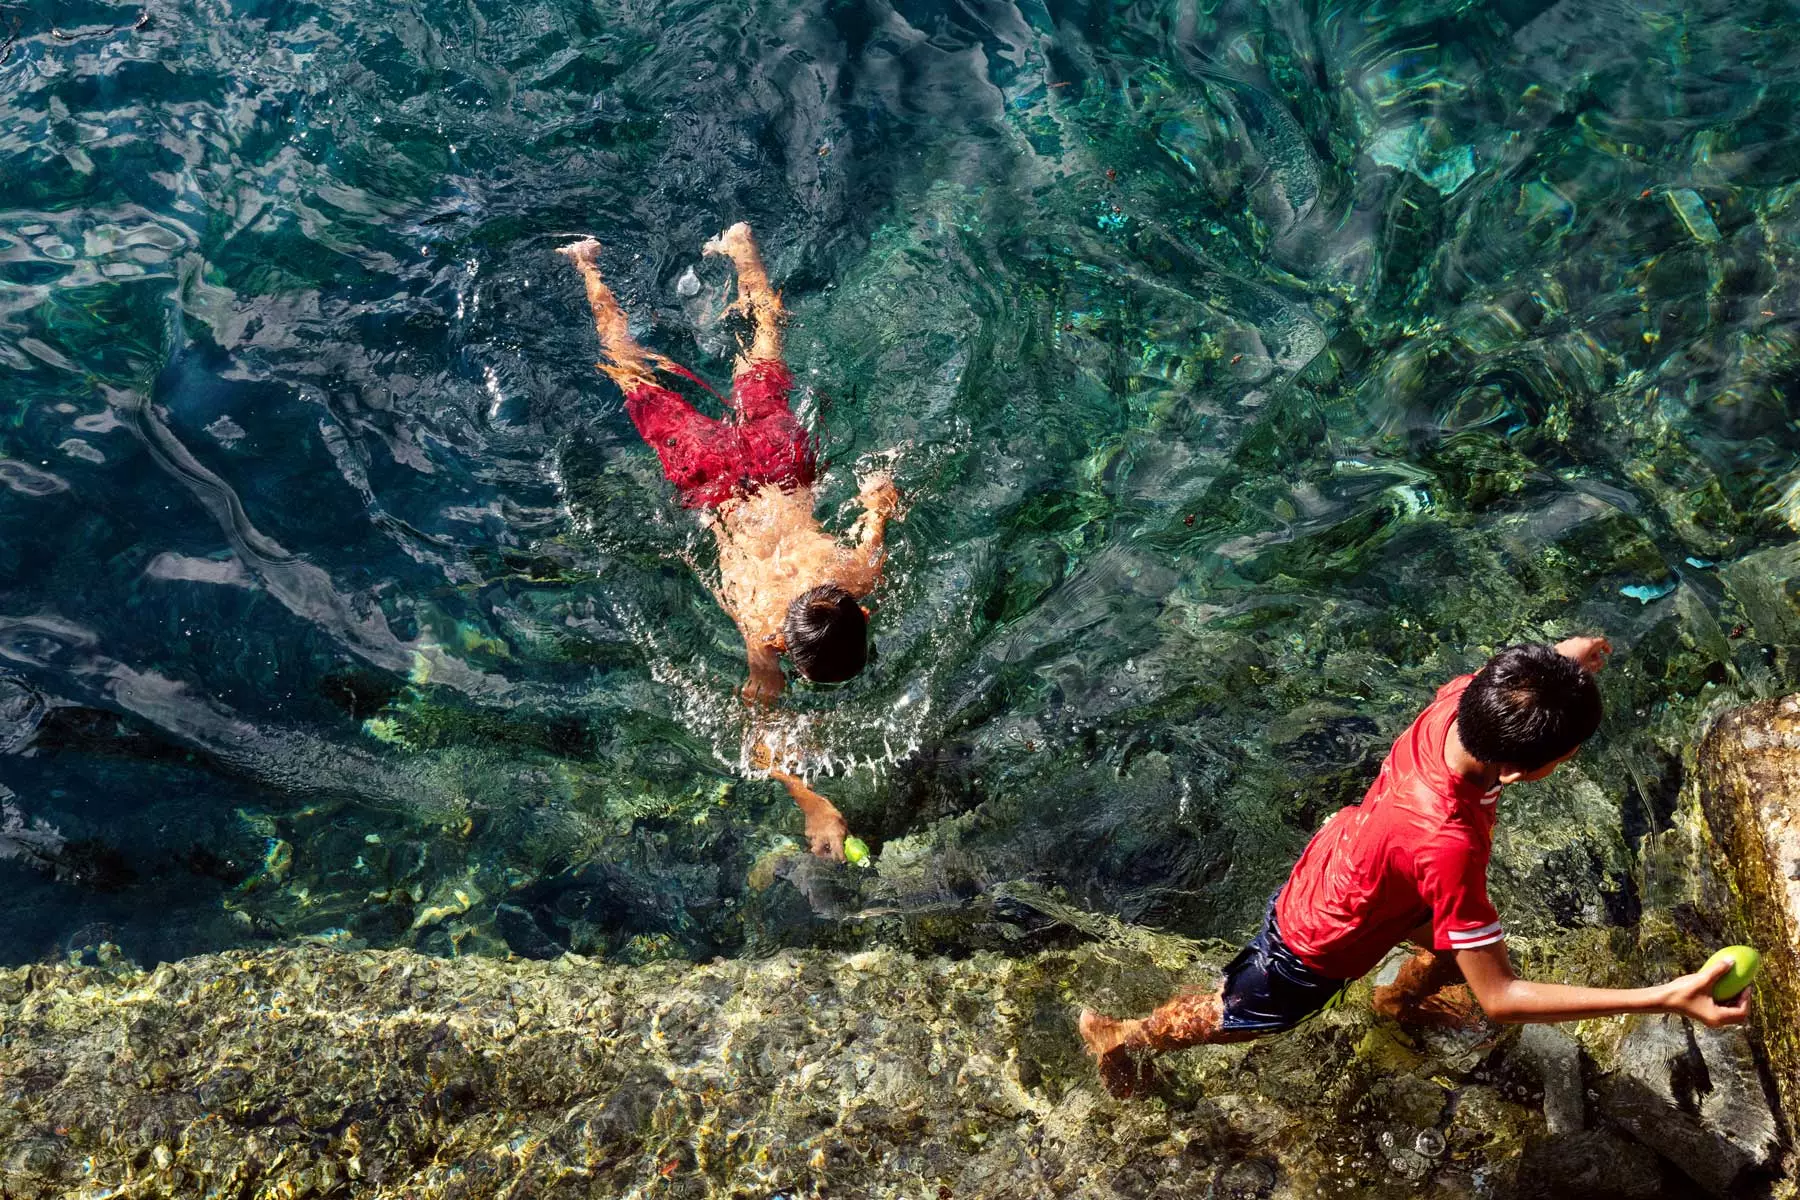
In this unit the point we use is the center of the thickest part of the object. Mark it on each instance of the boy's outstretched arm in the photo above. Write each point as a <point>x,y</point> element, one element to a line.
<point>825,825</point>
<point>1510,1000</point>
<point>766,680</point>
<point>1590,652</point>
<point>880,500</point>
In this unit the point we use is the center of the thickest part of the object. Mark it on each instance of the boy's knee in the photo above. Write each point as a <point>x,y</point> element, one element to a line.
<point>1388,1001</point>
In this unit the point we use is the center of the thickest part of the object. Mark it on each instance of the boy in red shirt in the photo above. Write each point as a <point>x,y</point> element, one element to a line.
<point>1410,864</point>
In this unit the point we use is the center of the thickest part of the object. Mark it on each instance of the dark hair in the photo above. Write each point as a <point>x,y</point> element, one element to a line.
<point>827,634</point>
<point>1527,708</point>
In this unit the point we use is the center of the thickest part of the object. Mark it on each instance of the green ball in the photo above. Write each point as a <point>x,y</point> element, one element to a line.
<point>855,849</point>
<point>1745,963</point>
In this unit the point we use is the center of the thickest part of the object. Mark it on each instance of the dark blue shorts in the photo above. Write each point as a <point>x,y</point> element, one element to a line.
<point>1268,990</point>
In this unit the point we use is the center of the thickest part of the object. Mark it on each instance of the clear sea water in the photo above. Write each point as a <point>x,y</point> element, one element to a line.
<point>1250,369</point>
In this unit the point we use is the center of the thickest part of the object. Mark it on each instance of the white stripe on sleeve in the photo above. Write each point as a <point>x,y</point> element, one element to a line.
<point>1462,938</point>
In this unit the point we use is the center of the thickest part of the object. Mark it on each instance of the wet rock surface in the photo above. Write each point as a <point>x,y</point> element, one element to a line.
<point>1749,784</point>
<point>1556,1058</point>
<point>313,1071</point>
<point>942,1064</point>
<point>1695,1094</point>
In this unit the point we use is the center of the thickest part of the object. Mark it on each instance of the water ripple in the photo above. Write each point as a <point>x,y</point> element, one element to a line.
<point>1248,369</point>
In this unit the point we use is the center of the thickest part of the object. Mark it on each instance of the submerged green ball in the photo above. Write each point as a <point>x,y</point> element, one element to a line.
<point>855,849</point>
<point>1745,963</point>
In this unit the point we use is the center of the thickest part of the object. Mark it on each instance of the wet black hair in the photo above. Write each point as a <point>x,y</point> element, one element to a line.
<point>1528,707</point>
<point>827,634</point>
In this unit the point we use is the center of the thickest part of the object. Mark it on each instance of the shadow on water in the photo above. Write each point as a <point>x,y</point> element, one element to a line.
<point>1249,372</point>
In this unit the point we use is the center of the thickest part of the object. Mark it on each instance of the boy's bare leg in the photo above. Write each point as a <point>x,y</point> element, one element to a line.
<point>1117,1050</point>
<point>756,299</point>
<point>1429,990</point>
<point>628,364</point>
<point>1190,1019</point>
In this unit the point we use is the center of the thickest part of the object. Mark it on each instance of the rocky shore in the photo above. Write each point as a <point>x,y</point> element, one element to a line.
<point>314,1070</point>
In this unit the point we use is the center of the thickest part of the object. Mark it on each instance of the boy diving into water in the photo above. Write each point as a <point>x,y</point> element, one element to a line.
<point>1410,864</point>
<point>790,587</point>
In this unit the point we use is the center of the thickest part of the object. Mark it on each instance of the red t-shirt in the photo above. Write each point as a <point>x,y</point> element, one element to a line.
<point>1415,850</point>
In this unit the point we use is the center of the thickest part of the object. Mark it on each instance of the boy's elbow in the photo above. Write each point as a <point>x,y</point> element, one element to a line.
<point>1504,1008</point>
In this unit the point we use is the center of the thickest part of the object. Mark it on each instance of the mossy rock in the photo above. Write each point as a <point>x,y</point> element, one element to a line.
<point>310,1070</point>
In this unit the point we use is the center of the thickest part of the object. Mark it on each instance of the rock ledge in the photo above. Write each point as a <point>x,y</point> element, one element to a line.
<point>315,1072</point>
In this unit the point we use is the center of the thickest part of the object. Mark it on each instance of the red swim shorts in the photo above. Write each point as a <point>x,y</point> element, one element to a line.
<point>711,460</point>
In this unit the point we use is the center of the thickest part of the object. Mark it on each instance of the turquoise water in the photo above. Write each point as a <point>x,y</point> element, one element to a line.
<point>1250,369</point>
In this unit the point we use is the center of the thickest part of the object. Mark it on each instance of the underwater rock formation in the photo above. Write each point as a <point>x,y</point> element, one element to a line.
<point>309,1071</point>
<point>1750,788</point>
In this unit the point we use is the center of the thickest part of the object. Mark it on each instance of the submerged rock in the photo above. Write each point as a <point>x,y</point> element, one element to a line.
<point>1749,784</point>
<point>318,1071</point>
<point>1694,1094</point>
<point>1556,1058</point>
<point>324,1071</point>
<point>334,1071</point>
<point>1597,1165</point>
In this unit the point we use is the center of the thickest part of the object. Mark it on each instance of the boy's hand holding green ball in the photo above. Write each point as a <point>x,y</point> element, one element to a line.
<point>855,850</point>
<point>1745,964</point>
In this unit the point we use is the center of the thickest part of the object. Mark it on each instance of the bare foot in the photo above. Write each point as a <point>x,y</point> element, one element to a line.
<point>584,253</point>
<point>1123,1073</point>
<point>1101,1034</point>
<point>739,245</point>
<point>1450,1008</point>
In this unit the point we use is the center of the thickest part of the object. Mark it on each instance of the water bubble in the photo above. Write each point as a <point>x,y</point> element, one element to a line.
<point>1408,1165</point>
<point>1430,1143</point>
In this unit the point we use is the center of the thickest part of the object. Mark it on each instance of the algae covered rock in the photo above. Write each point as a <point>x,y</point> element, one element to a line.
<point>324,1072</point>
<point>1749,784</point>
<point>1595,1165</point>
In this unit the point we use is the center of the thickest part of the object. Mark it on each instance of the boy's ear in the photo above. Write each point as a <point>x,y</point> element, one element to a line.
<point>1510,775</point>
<point>777,642</point>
